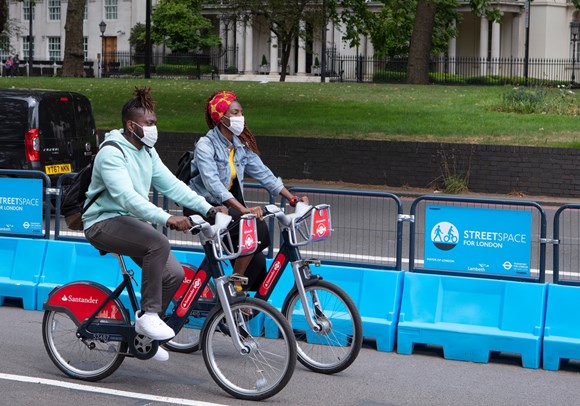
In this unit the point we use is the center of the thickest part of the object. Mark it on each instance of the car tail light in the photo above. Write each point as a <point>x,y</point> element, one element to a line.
<point>32,144</point>
<point>63,99</point>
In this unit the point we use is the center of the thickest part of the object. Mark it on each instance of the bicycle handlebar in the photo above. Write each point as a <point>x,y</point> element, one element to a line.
<point>218,235</point>
<point>301,212</point>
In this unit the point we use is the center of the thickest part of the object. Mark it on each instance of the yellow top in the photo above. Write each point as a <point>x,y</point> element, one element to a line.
<point>233,168</point>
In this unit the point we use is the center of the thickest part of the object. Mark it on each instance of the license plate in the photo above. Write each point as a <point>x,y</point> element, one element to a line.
<point>58,169</point>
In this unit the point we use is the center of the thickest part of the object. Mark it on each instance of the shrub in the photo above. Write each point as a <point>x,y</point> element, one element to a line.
<point>523,100</point>
<point>232,70</point>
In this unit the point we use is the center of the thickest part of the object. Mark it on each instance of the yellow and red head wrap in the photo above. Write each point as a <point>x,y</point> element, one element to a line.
<point>219,104</point>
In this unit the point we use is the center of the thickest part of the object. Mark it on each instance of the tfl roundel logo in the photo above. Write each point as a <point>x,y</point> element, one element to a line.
<point>444,236</point>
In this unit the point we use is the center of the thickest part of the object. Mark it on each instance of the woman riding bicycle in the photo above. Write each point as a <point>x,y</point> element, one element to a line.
<point>120,219</point>
<point>222,158</point>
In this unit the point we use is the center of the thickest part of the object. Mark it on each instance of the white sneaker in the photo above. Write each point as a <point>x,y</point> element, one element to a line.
<point>150,325</point>
<point>161,355</point>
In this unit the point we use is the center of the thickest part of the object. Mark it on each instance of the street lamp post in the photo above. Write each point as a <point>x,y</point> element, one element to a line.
<point>102,27</point>
<point>574,33</point>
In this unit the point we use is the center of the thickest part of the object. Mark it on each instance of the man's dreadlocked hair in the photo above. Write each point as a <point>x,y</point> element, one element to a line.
<point>141,100</point>
<point>246,137</point>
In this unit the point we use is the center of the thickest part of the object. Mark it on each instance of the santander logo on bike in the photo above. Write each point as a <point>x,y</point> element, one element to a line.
<point>73,299</point>
<point>248,236</point>
<point>321,224</point>
<point>191,292</point>
<point>445,235</point>
<point>275,269</point>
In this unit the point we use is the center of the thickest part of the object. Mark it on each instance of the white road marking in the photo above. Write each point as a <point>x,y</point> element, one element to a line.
<point>106,391</point>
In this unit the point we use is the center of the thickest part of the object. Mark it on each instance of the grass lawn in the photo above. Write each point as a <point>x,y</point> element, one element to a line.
<point>465,114</point>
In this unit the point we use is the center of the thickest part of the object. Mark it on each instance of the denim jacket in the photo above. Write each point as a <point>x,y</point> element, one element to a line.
<point>211,168</point>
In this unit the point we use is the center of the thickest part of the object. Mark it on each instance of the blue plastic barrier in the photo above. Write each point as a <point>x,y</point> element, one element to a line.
<point>68,261</point>
<point>20,269</point>
<point>469,317</point>
<point>377,294</point>
<point>562,329</point>
<point>378,306</point>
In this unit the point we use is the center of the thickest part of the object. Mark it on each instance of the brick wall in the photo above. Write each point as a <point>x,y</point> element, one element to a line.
<point>492,169</point>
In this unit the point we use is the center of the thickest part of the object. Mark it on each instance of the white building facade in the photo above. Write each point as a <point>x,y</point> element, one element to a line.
<point>249,44</point>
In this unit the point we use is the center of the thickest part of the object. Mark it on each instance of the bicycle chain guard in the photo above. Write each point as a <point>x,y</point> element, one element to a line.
<point>143,347</point>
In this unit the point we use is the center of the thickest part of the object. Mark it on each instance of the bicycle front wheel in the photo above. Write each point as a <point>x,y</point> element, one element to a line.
<point>269,362</point>
<point>88,360</point>
<point>338,342</point>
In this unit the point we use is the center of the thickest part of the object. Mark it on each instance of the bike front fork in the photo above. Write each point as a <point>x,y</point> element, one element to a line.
<point>302,274</point>
<point>226,292</point>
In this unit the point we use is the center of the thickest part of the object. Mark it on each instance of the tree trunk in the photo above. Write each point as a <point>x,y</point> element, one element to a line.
<point>286,49</point>
<point>3,14</point>
<point>421,43</point>
<point>72,64</point>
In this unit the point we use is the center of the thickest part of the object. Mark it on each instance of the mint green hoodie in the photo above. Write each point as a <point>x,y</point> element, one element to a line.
<point>126,181</point>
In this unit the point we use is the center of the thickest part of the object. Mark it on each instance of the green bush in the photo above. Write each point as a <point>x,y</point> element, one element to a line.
<point>232,70</point>
<point>388,76</point>
<point>523,100</point>
<point>185,70</point>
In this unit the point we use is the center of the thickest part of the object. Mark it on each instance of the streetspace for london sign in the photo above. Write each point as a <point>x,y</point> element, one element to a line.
<point>478,240</point>
<point>21,205</point>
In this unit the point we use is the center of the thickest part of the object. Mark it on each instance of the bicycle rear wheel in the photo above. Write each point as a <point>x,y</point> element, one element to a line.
<point>269,363</point>
<point>335,347</point>
<point>88,360</point>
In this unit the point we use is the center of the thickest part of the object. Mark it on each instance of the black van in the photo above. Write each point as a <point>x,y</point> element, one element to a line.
<point>46,130</point>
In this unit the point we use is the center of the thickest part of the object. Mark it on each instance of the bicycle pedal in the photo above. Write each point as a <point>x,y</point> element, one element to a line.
<point>311,261</point>
<point>243,280</point>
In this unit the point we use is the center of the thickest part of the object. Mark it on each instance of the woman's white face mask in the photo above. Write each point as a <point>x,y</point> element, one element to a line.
<point>150,135</point>
<point>236,125</point>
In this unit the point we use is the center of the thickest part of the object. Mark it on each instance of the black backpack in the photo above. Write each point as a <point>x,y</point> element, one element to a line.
<point>183,171</point>
<point>74,194</point>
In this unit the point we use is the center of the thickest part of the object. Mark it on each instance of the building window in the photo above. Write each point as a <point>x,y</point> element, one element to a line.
<point>4,47</point>
<point>86,47</point>
<point>54,10</point>
<point>26,10</point>
<point>86,11</point>
<point>54,48</point>
<point>26,47</point>
<point>110,9</point>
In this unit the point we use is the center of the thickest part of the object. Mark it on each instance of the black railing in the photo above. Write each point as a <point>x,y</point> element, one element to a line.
<point>457,71</point>
<point>196,65</point>
<point>352,68</point>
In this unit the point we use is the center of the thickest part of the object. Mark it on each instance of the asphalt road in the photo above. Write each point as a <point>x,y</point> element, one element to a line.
<point>28,377</point>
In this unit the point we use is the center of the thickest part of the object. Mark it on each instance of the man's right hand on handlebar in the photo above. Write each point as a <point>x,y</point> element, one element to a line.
<point>180,223</point>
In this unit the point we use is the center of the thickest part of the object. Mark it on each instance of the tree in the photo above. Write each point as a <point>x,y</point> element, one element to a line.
<point>3,14</point>
<point>179,25</point>
<point>282,17</point>
<point>137,38</point>
<point>417,28</point>
<point>74,55</point>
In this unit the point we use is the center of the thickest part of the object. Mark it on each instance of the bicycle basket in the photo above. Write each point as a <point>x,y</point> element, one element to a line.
<point>302,231</point>
<point>223,248</point>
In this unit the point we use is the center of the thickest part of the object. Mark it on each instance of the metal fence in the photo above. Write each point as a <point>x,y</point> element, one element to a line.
<point>457,71</point>
<point>566,240</point>
<point>368,227</point>
<point>352,68</point>
<point>196,65</point>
